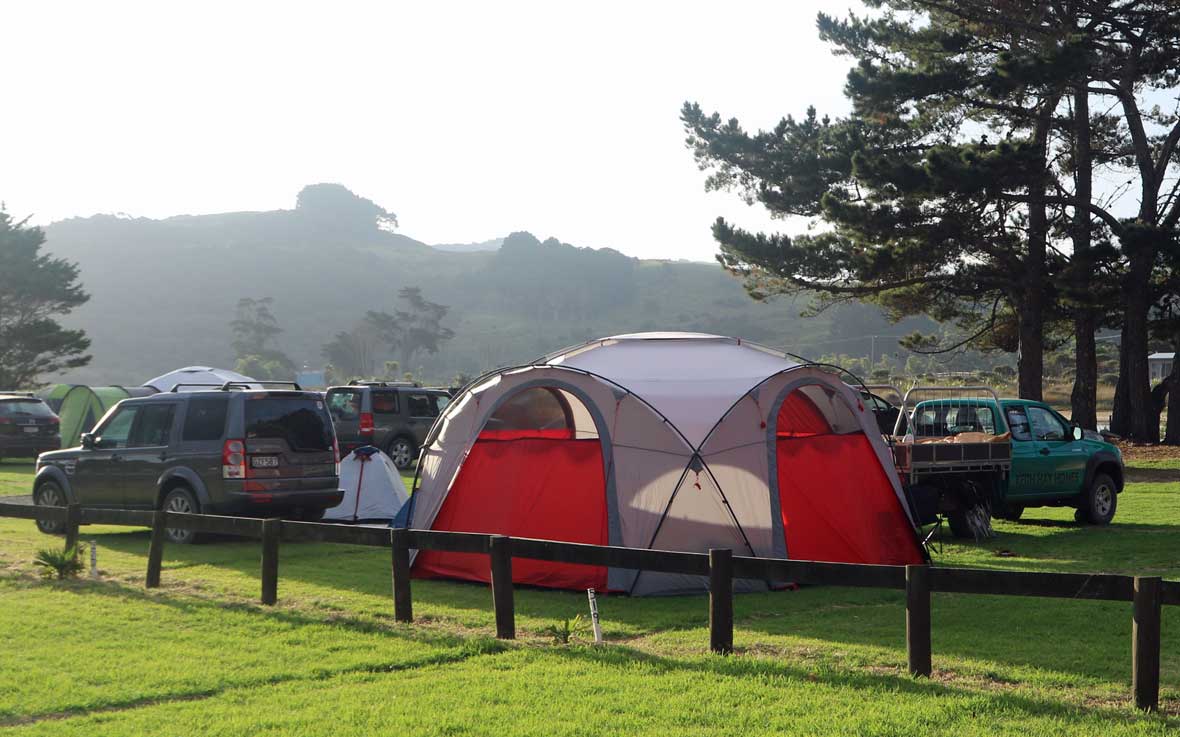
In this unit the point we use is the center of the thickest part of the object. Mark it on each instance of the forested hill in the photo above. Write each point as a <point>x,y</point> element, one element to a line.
<point>164,291</point>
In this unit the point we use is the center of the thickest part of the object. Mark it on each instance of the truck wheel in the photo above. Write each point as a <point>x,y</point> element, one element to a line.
<point>49,494</point>
<point>1010,512</point>
<point>1100,501</point>
<point>180,499</point>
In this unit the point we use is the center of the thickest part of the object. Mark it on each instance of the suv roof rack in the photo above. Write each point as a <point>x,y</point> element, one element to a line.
<point>30,395</point>
<point>358,382</point>
<point>227,386</point>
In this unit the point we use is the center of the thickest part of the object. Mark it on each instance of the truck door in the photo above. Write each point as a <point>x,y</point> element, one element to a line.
<point>1045,461</point>
<point>1066,458</point>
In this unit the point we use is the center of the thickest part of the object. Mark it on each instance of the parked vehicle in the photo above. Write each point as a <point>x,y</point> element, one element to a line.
<point>393,416</point>
<point>971,457</point>
<point>28,426</point>
<point>230,450</point>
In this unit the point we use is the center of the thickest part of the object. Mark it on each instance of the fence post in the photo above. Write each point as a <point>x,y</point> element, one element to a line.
<point>500,548</point>
<point>917,619</point>
<point>156,549</point>
<point>270,560</point>
<point>403,607</point>
<point>1145,642</point>
<point>721,600</point>
<point>73,519</point>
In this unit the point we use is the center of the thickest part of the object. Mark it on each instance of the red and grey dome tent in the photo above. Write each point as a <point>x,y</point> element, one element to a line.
<point>673,441</point>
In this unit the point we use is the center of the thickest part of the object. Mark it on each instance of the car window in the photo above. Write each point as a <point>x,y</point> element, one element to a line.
<point>384,403</point>
<point>24,408</point>
<point>930,422</point>
<point>1044,425</point>
<point>204,419</point>
<point>970,419</point>
<point>300,421</point>
<point>421,405</point>
<point>441,401</point>
<point>345,404</point>
<point>116,431</point>
<point>1018,424</point>
<point>153,427</point>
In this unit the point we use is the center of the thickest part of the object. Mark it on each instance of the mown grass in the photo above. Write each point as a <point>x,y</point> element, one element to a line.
<point>200,656</point>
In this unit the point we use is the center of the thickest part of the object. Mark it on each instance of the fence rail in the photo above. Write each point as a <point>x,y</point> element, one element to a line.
<point>1148,594</point>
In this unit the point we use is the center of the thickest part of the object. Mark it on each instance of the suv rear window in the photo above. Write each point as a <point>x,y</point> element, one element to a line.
<point>301,421</point>
<point>24,408</point>
<point>205,419</point>
<point>421,405</point>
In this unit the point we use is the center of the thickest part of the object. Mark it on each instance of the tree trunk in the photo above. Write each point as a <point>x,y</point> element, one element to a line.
<point>1083,400</point>
<point>1172,435</point>
<point>1133,416</point>
<point>1031,366</point>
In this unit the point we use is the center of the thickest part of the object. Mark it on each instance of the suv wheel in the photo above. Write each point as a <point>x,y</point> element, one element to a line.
<point>49,494</point>
<point>1099,502</point>
<point>401,450</point>
<point>182,500</point>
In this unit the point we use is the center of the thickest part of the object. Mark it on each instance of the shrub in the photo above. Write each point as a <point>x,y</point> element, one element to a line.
<point>565,630</point>
<point>1109,379</point>
<point>59,564</point>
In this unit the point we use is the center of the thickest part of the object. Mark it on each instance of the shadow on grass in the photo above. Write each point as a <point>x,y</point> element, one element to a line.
<point>454,648</point>
<point>1079,638</point>
<point>885,685</point>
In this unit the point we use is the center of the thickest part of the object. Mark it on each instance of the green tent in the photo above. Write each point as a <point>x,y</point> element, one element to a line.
<point>80,407</point>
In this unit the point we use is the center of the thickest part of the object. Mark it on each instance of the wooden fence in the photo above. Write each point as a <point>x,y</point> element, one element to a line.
<point>1148,594</point>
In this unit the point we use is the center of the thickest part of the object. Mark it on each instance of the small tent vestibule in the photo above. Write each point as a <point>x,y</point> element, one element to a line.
<point>673,441</point>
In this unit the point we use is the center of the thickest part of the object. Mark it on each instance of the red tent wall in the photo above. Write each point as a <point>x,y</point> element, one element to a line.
<point>542,484</point>
<point>836,500</point>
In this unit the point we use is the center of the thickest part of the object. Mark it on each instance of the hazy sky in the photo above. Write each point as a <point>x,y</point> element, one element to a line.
<point>469,120</point>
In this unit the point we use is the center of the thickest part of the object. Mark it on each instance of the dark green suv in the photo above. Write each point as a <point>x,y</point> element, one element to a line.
<point>230,450</point>
<point>393,416</point>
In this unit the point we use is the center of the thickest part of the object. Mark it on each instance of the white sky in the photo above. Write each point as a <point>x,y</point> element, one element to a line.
<point>468,120</point>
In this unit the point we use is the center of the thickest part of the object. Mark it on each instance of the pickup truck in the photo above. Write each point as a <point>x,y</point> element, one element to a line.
<point>970,457</point>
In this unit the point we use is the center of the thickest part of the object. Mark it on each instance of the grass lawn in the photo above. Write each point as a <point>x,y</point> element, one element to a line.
<point>200,656</point>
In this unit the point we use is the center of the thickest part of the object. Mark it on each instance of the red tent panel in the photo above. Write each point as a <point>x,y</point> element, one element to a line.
<point>529,485</point>
<point>837,502</point>
<point>799,417</point>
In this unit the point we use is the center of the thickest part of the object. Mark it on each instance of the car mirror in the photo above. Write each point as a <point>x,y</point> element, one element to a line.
<point>1078,434</point>
<point>87,441</point>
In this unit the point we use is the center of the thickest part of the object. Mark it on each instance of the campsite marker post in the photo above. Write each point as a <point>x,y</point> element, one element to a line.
<point>500,548</point>
<point>73,518</point>
<point>403,606</point>
<point>917,619</point>
<point>93,560</point>
<point>594,616</point>
<point>270,560</point>
<point>721,600</point>
<point>1145,642</point>
<point>156,549</point>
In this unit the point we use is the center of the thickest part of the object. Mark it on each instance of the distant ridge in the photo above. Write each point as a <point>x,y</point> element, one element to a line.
<point>492,245</point>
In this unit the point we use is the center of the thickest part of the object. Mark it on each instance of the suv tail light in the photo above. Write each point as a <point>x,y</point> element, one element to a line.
<point>366,423</point>
<point>336,454</point>
<point>233,460</point>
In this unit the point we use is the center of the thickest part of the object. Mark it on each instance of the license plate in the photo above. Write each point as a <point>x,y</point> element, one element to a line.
<point>264,462</point>
<point>32,429</point>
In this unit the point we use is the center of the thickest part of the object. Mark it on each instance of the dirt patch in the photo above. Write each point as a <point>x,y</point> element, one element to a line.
<point>1143,452</point>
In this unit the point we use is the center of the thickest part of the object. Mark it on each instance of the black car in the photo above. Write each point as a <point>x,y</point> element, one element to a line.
<point>393,416</point>
<point>28,427</point>
<point>233,450</point>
